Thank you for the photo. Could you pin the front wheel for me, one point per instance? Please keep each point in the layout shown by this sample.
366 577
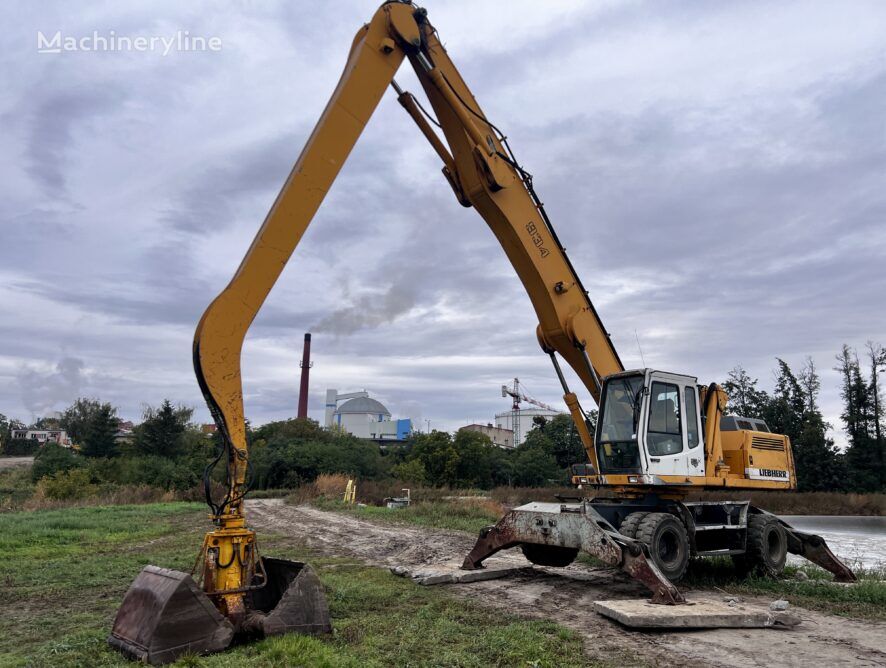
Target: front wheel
668 543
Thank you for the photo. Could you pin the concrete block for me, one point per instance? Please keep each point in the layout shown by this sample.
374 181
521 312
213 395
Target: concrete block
641 614
452 573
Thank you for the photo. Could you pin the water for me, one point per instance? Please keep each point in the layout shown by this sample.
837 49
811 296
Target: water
858 541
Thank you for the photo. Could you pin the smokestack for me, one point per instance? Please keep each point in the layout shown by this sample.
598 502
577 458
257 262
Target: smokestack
305 365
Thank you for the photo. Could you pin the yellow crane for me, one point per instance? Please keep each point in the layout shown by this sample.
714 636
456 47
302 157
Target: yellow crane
659 435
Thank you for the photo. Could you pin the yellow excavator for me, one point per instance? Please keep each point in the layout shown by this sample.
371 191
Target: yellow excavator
659 435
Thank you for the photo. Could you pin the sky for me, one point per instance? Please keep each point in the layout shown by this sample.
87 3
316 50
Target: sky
717 172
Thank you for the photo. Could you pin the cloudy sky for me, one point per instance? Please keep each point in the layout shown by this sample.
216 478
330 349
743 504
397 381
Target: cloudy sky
717 172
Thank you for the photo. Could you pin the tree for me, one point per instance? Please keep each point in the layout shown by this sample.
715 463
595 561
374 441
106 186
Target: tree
438 455
47 423
5 434
162 430
877 357
862 455
77 417
559 438
745 398
785 410
533 467
99 438
819 463
412 472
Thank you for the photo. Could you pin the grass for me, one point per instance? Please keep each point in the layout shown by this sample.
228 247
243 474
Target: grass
865 599
15 486
65 573
463 514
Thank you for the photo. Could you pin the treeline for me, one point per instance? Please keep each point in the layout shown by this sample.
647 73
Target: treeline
292 452
167 451
164 451
792 408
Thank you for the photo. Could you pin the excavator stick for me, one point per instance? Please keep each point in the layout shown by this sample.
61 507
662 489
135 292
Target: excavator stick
166 615
553 533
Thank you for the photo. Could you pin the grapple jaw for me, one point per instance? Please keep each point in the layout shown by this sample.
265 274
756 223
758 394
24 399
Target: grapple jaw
165 615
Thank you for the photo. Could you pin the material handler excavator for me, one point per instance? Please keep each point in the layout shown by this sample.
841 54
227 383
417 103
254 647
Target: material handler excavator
659 435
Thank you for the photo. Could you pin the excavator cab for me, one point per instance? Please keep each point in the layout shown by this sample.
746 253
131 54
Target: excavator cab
649 425
651 431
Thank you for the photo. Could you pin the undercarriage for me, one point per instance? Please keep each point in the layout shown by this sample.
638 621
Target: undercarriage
653 539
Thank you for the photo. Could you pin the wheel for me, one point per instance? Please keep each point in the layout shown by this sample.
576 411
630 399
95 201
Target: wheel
767 547
630 523
549 555
668 543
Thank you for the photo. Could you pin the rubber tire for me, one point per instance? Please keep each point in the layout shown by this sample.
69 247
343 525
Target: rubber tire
549 555
767 547
665 533
630 523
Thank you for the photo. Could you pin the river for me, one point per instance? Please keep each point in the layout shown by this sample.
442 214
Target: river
859 541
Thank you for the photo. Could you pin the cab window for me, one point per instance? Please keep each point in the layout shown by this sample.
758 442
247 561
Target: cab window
664 436
689 393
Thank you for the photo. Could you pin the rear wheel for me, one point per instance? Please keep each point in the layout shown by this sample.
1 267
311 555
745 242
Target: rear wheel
629 525
767 547
668 543
549 555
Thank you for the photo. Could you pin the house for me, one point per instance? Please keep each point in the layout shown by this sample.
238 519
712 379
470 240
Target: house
42 436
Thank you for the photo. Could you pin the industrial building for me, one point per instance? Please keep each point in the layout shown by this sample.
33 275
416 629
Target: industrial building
520 421
503 438
364 417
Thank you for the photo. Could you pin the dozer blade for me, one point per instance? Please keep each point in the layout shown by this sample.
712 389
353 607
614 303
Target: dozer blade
165 615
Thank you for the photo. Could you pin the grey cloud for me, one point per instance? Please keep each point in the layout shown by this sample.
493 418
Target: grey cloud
45 391
50 134
725 221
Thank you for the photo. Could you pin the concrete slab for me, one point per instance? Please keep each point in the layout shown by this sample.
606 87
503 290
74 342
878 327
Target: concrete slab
641 614
451 573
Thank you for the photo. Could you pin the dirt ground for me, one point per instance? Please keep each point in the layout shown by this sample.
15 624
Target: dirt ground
10 462
566 596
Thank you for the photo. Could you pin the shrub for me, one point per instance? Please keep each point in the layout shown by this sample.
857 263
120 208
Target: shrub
66 485
53 458
21 447
331 485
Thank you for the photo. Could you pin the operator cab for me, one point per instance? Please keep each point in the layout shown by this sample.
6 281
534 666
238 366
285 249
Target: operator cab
649 424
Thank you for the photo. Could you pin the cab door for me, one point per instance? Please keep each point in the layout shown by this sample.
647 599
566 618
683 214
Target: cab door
665 430
692 427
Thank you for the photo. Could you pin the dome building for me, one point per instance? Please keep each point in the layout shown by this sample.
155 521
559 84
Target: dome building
364 417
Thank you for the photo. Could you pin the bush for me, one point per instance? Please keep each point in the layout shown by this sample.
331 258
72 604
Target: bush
66 485
150 470
21 447
53 458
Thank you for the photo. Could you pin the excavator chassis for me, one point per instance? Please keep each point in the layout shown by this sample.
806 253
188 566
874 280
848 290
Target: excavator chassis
573 526
551 534
166 615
